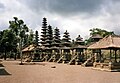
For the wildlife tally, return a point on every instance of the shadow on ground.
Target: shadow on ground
(3, 72)
(33, 63)
(1, 65)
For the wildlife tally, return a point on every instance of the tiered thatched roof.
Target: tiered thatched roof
(107, 42)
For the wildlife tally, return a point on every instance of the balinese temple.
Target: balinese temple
(49, 37)
(109, 59)
(78, 51)
(102, 53)
(43, 32)
(56, 38)
(43, 39)
(96, 37)
(49, 40)
(90, 59)
(65, 49)
(56, 44)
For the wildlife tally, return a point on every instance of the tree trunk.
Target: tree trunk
(5, 55)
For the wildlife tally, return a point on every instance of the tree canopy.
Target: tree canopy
(101, 32)
(98, 31)
(10, 38)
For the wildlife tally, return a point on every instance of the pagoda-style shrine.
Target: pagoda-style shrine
(49, 40)
(78, 51)
(56, 46)
(43, 39)
(96, 37)
(91, 59)
(111, 61)
(43, 32)
(49, 37)
(65, 49)
(36, 56)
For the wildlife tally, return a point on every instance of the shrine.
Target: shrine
(110, 61)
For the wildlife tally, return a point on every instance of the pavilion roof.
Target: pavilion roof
(65, 47)
(80, 47)
(29, 48)
(54, 47)
(97, 36)
(111, 41)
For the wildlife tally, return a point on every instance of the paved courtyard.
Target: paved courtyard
(45, 72)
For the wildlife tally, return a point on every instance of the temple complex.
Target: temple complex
(101, 53)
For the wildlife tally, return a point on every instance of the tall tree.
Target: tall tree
(1, 36)
(8, 42)
(31, 37)
(19, 29)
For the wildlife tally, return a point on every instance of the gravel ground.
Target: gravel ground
(45, 72)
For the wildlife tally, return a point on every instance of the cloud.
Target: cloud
(65, 7)
(76, 16)
(2, 6)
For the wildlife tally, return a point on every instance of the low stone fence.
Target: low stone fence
(107, 66)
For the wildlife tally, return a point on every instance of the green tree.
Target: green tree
(1, 36)
(28, 39)
(7, 42)
(31, 37)
(19, 29)
(98, 31)
(101, 32)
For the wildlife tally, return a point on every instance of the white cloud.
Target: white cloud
(77, 22)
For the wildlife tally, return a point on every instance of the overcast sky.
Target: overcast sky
(76, 16)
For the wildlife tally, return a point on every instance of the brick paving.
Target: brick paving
(45, 72)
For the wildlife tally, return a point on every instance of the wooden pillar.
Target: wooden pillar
(78, 58)
(119, 55)
(115, 55)
(110, 55)
(100, 55)
(65, 56)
